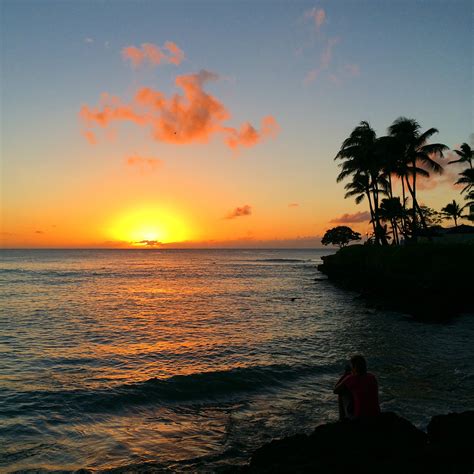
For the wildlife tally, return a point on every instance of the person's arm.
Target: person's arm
(340, 384)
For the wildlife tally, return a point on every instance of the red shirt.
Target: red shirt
(365, 394)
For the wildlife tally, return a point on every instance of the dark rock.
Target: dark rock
(451, 442)
(385, 444)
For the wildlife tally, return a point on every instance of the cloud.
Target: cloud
(324, 66)
(352, 70)
(39, 232)
(245, 210)
(324, 61)
(311, 76)
(153, 55)
(317, 15)
(143, 162)
(248, 136)
(449, 176)
(88, 40)
(362, 216)
(293, 204)
(326, 56)
(191, 117)
(90, 136)
(148, 243)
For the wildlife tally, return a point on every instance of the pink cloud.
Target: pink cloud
(449, 176)
(153, 55)
(326, 56)
(318, 15)
(352, 70)
(190, 117)
(311, 76)
(90, 137)
(362, 216)
(248, 136)
(293, 204)
(176, 54)
(245, 210)
(143, 162)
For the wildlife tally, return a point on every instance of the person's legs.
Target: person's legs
(345, 406)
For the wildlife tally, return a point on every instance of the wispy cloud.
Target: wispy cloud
(447, 179)
(153, 55)
(90, 136)
(245, 210)
(317, 16)
(147, 243)
(353, 70)
(293, 204)
(325, 66)
(88, 40)
(362, 216)
(143, 163)
(191, 117)
(326, 56)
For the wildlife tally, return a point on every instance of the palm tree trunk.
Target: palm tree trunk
(390, 190)
(416, 206)
(395, 231)
(372, 216)
(404, 219)
(415, 203)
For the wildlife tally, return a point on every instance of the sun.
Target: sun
(149, 227)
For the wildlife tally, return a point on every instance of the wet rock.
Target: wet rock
(451, 442)
(387, 444)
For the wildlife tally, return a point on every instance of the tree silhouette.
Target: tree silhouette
(416, 151)
(340, 235)
(453, 211)
(391, 210)
(359, 161)
(466, 155)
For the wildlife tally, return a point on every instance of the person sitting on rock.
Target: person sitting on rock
(363, 389)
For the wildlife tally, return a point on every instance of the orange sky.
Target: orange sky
(128, 137)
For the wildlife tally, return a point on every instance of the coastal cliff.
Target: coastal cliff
(432, 282)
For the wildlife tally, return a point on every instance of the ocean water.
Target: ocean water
(191, 359)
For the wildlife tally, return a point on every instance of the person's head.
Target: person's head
(359, 365)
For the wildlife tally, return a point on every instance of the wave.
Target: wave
(202, 386)
(54, 274)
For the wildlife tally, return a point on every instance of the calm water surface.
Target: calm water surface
(192, 359)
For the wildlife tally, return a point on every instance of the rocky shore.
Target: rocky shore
(432, 282)
(387, 444)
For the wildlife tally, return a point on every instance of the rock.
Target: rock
(451, 442)
(385, 444)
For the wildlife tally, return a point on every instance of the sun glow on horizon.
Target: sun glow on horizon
(149, 226)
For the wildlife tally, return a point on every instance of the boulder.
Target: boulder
(451, 442)
(383, 444)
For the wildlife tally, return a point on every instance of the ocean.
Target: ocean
(191, 359)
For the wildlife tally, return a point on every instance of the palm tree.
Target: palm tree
(465, 155)
(467, 178)
(414, 151)
(391, 210)
(453, 211)
(358, 153)
(390, 153)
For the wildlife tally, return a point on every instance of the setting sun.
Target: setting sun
(149, 227)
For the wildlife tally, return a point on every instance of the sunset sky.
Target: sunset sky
(213, 123)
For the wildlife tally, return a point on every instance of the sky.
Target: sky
(214, 124)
